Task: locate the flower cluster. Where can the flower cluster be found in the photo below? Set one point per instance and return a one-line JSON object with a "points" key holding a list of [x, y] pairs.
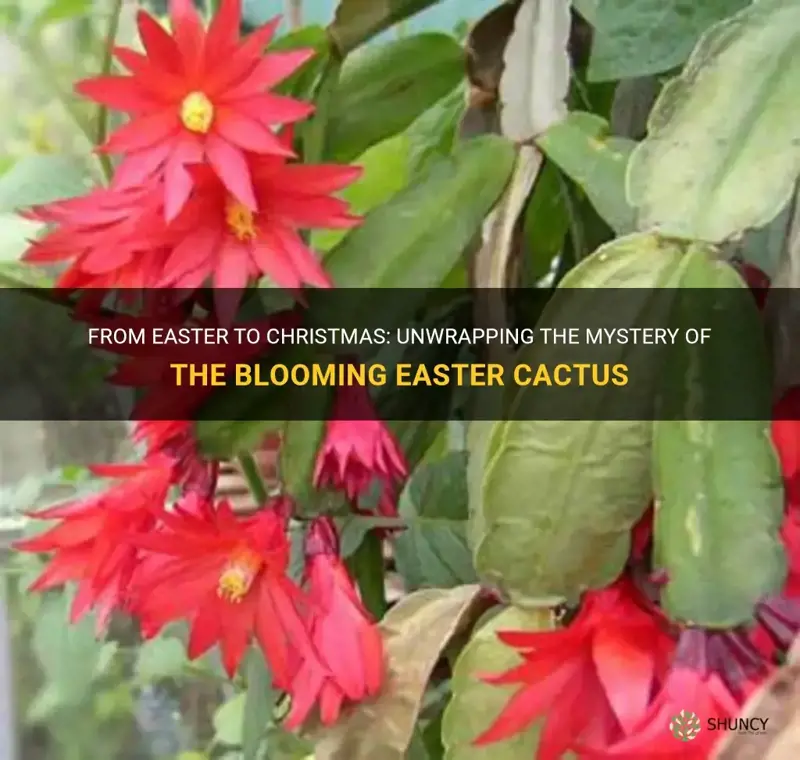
{"points": [[209, 191], [610, 684], [206, 188]]}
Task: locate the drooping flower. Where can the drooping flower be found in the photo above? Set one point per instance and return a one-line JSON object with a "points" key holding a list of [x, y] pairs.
{"points": [[218, 237], [591, 681], [694, 692], [358, 449], [90, 540], [347, 641], [226, 575], [198, 96]]}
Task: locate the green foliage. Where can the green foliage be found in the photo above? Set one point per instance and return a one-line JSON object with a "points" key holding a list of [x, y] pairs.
{"points": [[432, 551], [737, 112], [643, 37], [386, 171], [556, 499], [41, 179], [595, 161], [383, 89], [540, 509], [474, 704], [357, 21], [717, 482], [422, 230]]}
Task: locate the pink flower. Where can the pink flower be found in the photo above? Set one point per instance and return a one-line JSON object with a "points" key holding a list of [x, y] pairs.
{"points": [[358, 449]]}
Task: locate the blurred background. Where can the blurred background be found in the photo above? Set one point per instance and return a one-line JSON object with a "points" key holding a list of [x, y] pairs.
{"points": [[63, 694]]}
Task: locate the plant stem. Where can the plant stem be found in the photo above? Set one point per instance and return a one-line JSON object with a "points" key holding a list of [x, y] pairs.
{"points": [[253, 478], [108, 58], [366, 566]]}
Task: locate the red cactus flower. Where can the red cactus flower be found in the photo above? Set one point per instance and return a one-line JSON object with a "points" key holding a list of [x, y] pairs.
{"points": [[227, 576], [217, 236], [592, 680], [198, 96], [358, 448], [113, 238], [692, 694], [89, 542], [349, 644], [786, 438], [116, 239]]}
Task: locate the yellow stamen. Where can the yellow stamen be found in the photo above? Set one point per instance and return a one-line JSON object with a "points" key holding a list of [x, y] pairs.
{"points": [[240, 220], [238, 575], [197, 112]]}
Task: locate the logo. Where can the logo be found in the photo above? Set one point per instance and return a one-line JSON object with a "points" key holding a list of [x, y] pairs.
{"points": [[685, 726]]}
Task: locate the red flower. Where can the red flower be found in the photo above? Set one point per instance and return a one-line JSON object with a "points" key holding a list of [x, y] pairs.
{"points": [[592, 680], [114, 238], [118, 239], [90, 540], [227, 576], [692, 686], [756, 280], [786, 438], [175, 440], [359, 448], [348, 643], [217, 236], [198, 96]]}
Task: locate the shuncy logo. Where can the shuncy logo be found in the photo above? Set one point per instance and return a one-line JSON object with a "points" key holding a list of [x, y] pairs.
{"points": [[685, 726]]}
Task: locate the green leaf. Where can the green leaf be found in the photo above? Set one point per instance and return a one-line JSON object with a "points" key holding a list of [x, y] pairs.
{"points": [[300, 83], [258, 706], [225, 439], [581, 147], [357, 21], [722, 153], [546, 222], [634, 39], [434, 132], [16, 235], [162, 657], [384, 88], [416, 239], [475, 705], [41, 179], [386, 172], [557, 497], [433, 550], [67, 652], [353, 529], [229, 721], [62, 10], [719, 492], [298, 455]]}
